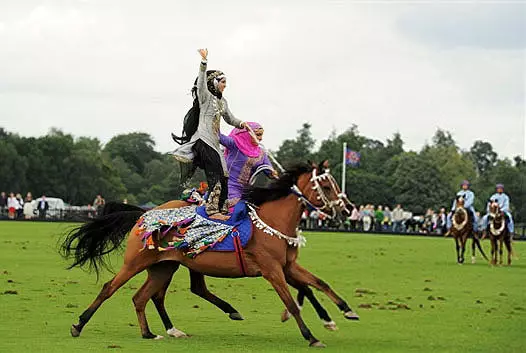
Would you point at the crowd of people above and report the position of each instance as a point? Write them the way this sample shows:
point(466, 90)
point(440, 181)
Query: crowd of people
point(16, 207)
point(368, 218)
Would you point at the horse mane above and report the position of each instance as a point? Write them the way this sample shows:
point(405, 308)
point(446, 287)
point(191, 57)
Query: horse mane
point(277, 189)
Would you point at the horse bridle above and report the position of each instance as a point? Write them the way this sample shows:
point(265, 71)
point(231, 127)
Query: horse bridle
point(494, 215)
point(327, 204)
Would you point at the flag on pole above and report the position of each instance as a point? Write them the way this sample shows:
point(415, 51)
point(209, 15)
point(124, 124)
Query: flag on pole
point(352, 157)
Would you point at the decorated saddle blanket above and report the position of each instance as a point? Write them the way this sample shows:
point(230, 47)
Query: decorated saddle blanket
point(190, 229)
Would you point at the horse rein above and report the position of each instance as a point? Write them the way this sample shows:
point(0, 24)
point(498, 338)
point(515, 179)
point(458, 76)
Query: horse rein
point(327, 204)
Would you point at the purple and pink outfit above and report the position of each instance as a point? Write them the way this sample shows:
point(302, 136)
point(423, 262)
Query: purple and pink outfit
point(243, 158)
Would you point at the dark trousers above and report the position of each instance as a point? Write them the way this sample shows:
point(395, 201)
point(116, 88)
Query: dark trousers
point(206, 158)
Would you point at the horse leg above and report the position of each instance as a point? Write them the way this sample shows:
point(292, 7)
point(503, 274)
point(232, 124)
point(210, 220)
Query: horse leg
point(463, 248)
point(305, 291)
point(198, 287)
point(493, 250)
point(109, 288)
point(158, 298)
point(300, 299)
point(457, 245)
point(301, 275)
point(276, 277)
point(159, 277)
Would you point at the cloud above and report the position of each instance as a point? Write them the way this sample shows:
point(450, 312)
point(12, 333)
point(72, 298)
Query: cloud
point(102, 68)
point(479, 25)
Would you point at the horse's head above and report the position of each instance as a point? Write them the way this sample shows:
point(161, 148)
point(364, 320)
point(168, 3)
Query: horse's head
point(320, 189)
point(460, 201)
point(494, 209)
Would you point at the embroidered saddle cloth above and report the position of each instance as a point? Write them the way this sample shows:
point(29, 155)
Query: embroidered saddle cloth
point(190, 229)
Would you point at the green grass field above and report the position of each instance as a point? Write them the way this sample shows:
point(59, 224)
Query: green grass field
point(452, 308)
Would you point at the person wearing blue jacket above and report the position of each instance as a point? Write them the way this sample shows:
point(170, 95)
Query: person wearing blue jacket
point(469, 200)
point(504, 204)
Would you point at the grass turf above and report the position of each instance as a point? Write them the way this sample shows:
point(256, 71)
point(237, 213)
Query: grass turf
point(450, 308)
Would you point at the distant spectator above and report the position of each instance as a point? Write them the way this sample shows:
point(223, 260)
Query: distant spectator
point(20, 206)
point(29, 212)
point(42, 207)
point(398, 218)
point(12, 204)
point(441, 221)
point(125, 201)
point(367, 219)
point(98, 204)
point(355, 218)
point(314, 219)
point(3, 202)
point(304, 218)
point(378, 218)
point(428, 221)
point(386, 223)
point(91, 211)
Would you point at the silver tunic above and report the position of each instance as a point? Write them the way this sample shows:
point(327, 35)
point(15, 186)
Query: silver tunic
point(211, 111)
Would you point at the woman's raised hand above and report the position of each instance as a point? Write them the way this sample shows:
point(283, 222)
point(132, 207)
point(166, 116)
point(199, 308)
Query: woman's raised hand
point(203, 53)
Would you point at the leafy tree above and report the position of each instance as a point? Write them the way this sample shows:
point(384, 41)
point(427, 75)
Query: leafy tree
point(417, 183)
point(299, 149)
point(483, 156)
point(443, 138)
point(136, 149)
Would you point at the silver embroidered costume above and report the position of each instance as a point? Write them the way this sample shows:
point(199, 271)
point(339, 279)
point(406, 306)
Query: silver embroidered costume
point(212, 109)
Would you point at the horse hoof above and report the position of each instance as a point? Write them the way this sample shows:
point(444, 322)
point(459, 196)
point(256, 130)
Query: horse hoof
point(75, 332)
point(351, 316)
point(173, 332)
point(235, 316)
point(158, 337)
point(330, 325)
point(317, 344)
point(285, 315)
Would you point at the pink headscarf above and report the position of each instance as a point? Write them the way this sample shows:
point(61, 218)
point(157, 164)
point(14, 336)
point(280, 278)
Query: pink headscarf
point(243, 141)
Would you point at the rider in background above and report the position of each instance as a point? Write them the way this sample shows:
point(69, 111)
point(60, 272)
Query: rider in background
point(504, 204)
point(469, 199)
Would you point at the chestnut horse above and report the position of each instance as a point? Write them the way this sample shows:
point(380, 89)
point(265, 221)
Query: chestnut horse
point(461, 229)
point(498, 233)
point(279, 206)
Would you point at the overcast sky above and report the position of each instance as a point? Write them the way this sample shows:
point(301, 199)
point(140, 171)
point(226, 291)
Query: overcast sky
point(100, 68)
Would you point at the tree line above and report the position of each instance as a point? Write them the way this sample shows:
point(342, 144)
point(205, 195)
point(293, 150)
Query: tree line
point(128, 166)
point(429, 178)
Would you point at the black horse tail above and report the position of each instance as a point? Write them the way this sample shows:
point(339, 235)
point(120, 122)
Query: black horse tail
point(477, 242)
point(88, 243)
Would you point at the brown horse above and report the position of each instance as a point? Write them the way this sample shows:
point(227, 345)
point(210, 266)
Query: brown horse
point(271, 256)
point(462, 228)
point(498, 233)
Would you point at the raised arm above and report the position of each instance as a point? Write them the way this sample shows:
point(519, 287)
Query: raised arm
point(202, 88)
point(227, 141)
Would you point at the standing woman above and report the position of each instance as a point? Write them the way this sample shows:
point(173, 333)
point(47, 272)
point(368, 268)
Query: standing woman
point(203, 150)
point(28, 207)
point(12, 204)
point(244, 157)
